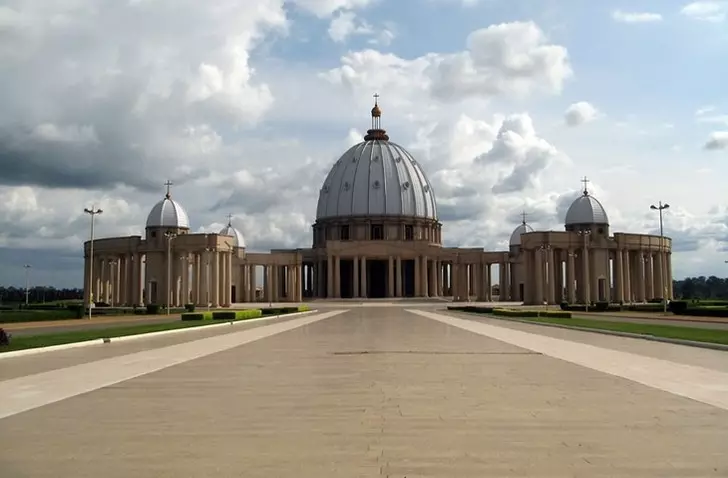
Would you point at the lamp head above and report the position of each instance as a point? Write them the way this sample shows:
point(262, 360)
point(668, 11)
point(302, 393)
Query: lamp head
point(665, 206)
point(653, 207)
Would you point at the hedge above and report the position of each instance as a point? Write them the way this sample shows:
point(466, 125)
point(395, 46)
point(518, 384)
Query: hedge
point(611, 307)
point(515, 313)
point(237, 314)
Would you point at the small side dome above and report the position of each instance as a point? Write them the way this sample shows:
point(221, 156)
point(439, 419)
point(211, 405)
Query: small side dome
point(229, 230)
point(238, 239)
point(516, 236)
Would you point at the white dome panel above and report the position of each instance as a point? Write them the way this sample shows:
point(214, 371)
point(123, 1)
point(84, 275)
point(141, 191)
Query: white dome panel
point(168, 213)
point(376, 178)
point(586, 209)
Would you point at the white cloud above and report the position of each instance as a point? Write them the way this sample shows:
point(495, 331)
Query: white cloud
point(345, 24)
point(707, 10)
point(580, 113)
point(636, 17)
point(324, 8)
point(717, 140)
point(513, 58)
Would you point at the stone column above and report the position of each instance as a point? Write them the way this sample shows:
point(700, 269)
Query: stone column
point(488, 283)
point(551, 264)
point(650, 276)
point(432, 279)
point(357, 287)
point(438, 278)
point(229, 293)
point(619, 276)
point(390, 277)
point(642, 273)
point(454, 280)
point(215, 278)
point(364, 279)
point(398, 278)
point(299, 283)
point(330, 276)
point(423, 278)
point(626, 276)
point(417, 278)
point(538, 276)
point(252, 284)
point(570, 276)
point(337, 277)
point(660, 276)
point(668, 264)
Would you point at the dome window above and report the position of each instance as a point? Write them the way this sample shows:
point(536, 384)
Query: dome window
point(406, 185)
point(399, 159)
point(376, 185)
point(376, 159)
point(347, 186)
point(427, 188)
point(325, 189)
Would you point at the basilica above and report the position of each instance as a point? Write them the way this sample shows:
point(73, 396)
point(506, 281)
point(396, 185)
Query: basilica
point(377, 235)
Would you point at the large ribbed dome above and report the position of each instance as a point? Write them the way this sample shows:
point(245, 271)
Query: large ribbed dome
point(376, 178)
point(586, 210)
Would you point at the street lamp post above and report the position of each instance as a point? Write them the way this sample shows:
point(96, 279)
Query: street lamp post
point(207, 276)
point(27, 282)
point(659, 208)
point(584, 233)
point(169, 235)
point(93, 212)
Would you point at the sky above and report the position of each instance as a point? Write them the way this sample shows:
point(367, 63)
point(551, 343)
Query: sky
point(246, 104)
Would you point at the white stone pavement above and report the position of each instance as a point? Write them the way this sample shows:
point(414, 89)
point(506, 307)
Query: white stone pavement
point(367, 392)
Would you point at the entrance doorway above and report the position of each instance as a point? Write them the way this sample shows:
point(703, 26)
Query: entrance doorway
point(408, 278)
point(233, 295)
point(347, 278)
point(377, 278)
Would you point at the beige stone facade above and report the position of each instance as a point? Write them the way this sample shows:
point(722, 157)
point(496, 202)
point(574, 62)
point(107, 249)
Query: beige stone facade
point(377, 235)
point(383, 258)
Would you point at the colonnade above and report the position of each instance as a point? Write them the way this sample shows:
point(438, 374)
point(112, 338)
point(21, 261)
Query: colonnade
point(424, 277)
point(587, 275)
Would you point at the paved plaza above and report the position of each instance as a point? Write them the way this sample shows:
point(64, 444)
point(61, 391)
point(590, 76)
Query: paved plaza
point(393, 390)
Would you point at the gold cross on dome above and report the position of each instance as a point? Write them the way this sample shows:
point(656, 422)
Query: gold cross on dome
point(168, 184)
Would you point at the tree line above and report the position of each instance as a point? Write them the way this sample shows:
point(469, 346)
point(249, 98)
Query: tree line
point(701, 288)
point(37, 295)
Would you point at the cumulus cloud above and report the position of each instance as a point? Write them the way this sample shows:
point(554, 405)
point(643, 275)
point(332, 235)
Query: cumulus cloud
point(509, 58)
point(707, 10)
point(636, 17)
point(717, 140)
point(345, 24)
point(580, 113)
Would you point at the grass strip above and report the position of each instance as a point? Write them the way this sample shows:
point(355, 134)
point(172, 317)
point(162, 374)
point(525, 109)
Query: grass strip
point(45, 340)
point(715, 336)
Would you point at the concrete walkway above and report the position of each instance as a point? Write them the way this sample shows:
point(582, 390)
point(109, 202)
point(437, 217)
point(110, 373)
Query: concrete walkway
point(365, 393)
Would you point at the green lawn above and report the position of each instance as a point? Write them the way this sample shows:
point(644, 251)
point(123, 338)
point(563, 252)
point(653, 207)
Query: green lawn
point(45, 340)
point(10, 316)
point(716, 336)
